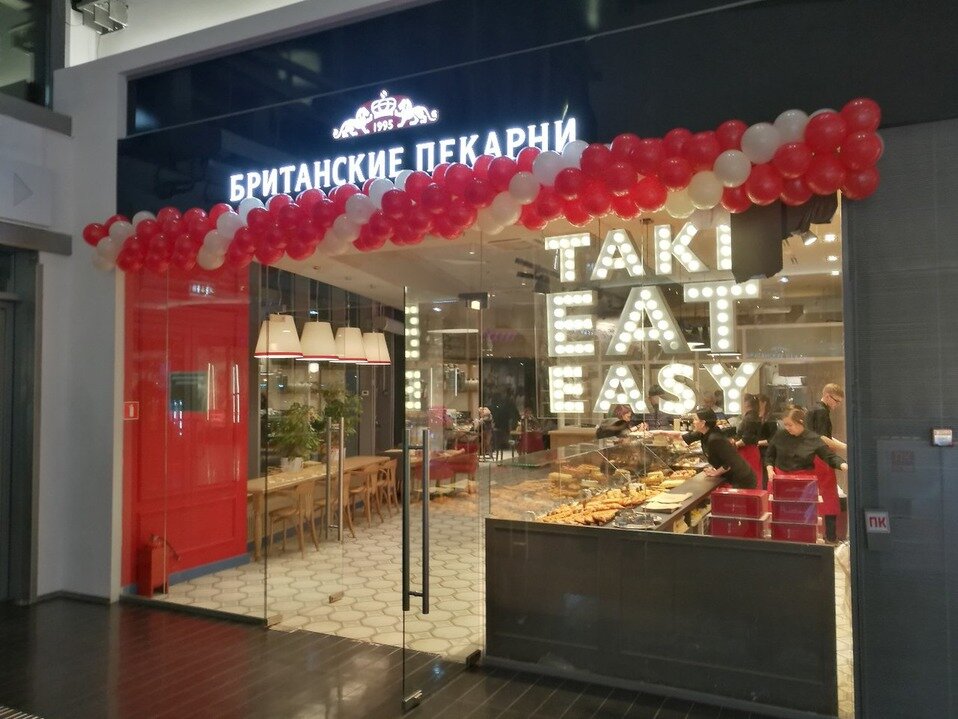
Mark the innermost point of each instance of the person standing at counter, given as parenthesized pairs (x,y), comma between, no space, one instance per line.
(794,449)
(618,425)
(754,432)
(721,454)
(655,418)
(819,418)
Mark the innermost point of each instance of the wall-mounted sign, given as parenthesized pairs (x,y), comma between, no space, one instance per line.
(877,522)
(385,114)
(131,411)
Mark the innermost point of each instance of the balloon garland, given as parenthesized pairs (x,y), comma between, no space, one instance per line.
(735,166)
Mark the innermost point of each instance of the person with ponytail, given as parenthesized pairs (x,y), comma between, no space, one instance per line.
(720,452)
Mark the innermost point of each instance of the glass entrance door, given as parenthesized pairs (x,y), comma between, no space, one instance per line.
(6,407)
(450,441)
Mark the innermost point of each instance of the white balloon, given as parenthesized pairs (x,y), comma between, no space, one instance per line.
(142,215)
(247,204)
(679,204)
(760,142)
(701,219)
(546,166)
(228,223)
(524,187)
(345,229)
(487,222)
(572,153)
(505,208)
(359,208)
(209,260)
(377,189)
(216,242)
(819,112)
(732,168)
(705,190)
(103,263)
(401,178)
(119,231)
(791,125)
(108,248)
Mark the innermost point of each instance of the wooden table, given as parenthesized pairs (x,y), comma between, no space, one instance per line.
(259,487)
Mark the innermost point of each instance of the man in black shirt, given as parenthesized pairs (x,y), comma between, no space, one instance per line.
(655,418)
(819,418)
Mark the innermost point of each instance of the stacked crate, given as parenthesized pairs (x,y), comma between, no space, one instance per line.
(795,503)
(741,513)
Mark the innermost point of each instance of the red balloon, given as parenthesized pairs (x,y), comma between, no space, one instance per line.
(115,218)
(269,255)
(792,159)
(675,173)
(596,160)
(596,199)
(825,132)
(701,150)
(525,158)
(446,228)
(457,178)
(126,260)
(575,213)
(675,140)
(340,194)
(379,225)
(183,244)
(366,185)
(439,173)
(278,202)
(259,219)
(480,168)
(501,172)
(479,192)
(194,214)
(648,155)
(183,261)
(795,192)
(396,204)
(625,207)
(94,232)
(403,235)
(136,245)
(860,184)
(307,198)
(530,218)
(237,259)
(324,213)
(277,238)
(735,199)
(650,194)
(620,177)
(415,184)
(299,251)
(158,245)
(419,220)
(862,115)
(548,204)
(217,210)
(435,199)
(763,185)
(167,214)
(825,175)
(291,216)
(729,134)
(244,240)
(624,146)
(569,183)
(461,213)
(860,150)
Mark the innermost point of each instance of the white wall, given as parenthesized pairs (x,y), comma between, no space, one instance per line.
(80,468)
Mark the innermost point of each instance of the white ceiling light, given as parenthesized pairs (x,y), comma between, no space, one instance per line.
(374,344)
(317,342)
(278,339)
(809,238)
(349,345)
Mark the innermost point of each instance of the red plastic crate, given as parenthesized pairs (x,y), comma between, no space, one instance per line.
(801,512)
(731,502)
(741,527)
(795,488)
(792,532)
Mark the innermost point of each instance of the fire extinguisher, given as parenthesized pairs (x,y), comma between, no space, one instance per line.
(153,570)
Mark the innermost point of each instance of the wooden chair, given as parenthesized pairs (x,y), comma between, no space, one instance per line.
(361,487)
(319,506)
(387,486)
(299,511)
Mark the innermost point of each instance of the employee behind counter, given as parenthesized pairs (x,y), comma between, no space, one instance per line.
(723,458)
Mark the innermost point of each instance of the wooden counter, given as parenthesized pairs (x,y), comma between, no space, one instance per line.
(565,436)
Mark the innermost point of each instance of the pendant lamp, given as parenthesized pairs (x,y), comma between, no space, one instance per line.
(349,345)
(374,344)
(317,342)
(278,339)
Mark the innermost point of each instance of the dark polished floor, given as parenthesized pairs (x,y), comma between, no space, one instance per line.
(65,659)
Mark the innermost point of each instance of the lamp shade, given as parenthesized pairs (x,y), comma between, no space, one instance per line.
(317,342)
(278,339)
(349,345)
(374,344)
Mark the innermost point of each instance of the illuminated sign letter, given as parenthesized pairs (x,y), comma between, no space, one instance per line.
(617,242)
(721,297)
(732,385)
(565,389)
(412,332)
(413,389)
(647,302)
(236,189)
(567,245)
(560,327)
(685,401)
(666,248)
(723,241)
(620,387)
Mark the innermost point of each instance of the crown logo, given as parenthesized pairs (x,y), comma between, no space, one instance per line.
(386,113)
(385,106)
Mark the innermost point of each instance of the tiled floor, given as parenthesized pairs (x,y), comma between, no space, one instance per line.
(367,570)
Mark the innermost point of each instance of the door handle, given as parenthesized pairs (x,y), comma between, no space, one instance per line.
(407,591)
(425,521)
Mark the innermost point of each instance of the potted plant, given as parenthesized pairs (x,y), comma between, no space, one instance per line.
(293,436)
(336,403)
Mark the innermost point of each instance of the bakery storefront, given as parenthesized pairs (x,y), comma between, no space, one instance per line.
(369,339)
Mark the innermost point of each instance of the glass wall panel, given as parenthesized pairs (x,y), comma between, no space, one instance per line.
(25,50)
